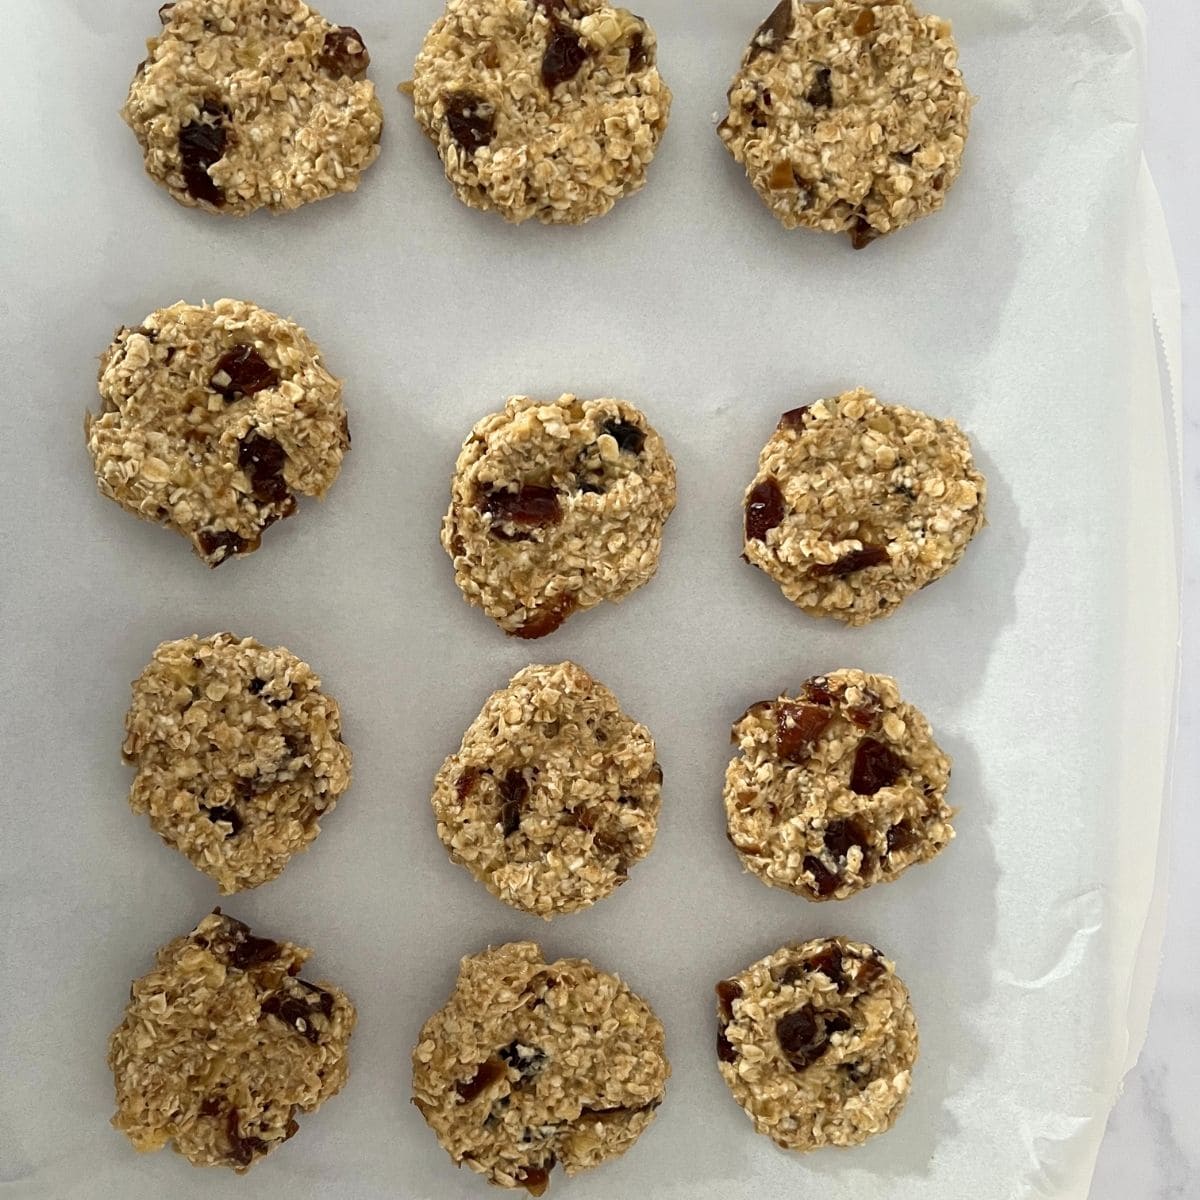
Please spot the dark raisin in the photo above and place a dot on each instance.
(202, 143)
(211, 1107)
(535, 1180)
(863, 233)
(465, 784)
(938, 182)
(820, 91)
(263, 460)
(591, 489)
(344, 53)
(797, 727)
(489, 1072)
(242, 371)
(841, 836)
(531, 507)
(565, 54)
(901, 837)
(639, 56)
(256, 685)
(547, 618)
(825, 881)
(866, 715)
(728, 990)
(801, 1037)
(875, 766)
(816, 691)
(223, 812)
(472, 120)
(764, 509)
(514, 791)
(324, 998)
(294, 1013)
(857, 1073)
(794, 418)
(242, 1149)
(252, 951)
(839, 1023)
(628, 436)
(829, 962)
(527, 1065)
(726, 1051)
(655, 775)
(868, 972)
(856, 560)
(772, 32)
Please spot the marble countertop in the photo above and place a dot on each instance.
(1150, 1150)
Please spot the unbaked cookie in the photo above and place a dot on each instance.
(849, 117)
(556, 507)
(246, 104)
(238, 755)
(553, 795)
(837, 788)
(541, 108)
(214, 418)
(817, 1043)
(222, 1045)
(857, 504)
(531, 1065)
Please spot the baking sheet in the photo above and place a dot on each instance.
(1045, 661)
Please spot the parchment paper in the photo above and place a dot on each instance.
(1045, 661)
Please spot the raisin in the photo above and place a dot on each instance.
(591, 489)
(526, 1065)
(857, 1073)
(532, 506)
(939, 182)
(628, 437)
(901, 837)
(841, 836)
(866, 715)
(565, 54)
(863, 233)
(728, 990)
(223, 812)
(726, 1051)
(782, 178)
(256, 685)
(797, 726)
(210, 1107)
(829, 962)
(344, 53)
(535, 1180)
(514, 791)
(242, 371)
(295, 1013)
(252, 951)
(489, 1072)
(825, 881)
(856, 560)
(864, 23)
(655, 776)
(547, 618)
(868, 972)
(820, 92)
(794, 418)
(875, 766)
(465, 784)
(242, 1149)
(772, 31)
(764, 509)
(202, 143)
(838, 1024)
(471, 119)
(816, 690)
(263, 460)
(801, 1037)
(324, 998)
(639, 55)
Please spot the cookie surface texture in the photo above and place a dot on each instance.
(532, 1065)
(213, 420)
(554, 794)
(541, 108)
(238, 755)
(817, 1043)
(857, 505)
(849, 117)
(555, 508)
(837, 788)
(248, 104)
(222, 1044)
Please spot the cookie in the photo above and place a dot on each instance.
(222, 1045)
(531, 1065)
(541, 108)
(553, 795)
(817, 1043)
(247, 104)
(214, 419)
(837, 788)
(556, 507)
(849, 117)
(238, 755)
(857, 504)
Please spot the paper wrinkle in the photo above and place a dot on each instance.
(1026, 945)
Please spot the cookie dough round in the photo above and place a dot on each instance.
(213, 419)
(532, 1064)
(238, 755)
(247, 104)
(541, 108)
(553, 795)
(837, 788)
(857, 504)
(222, 1044)
(556, 507)
(849, 117)
(817, 1043)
